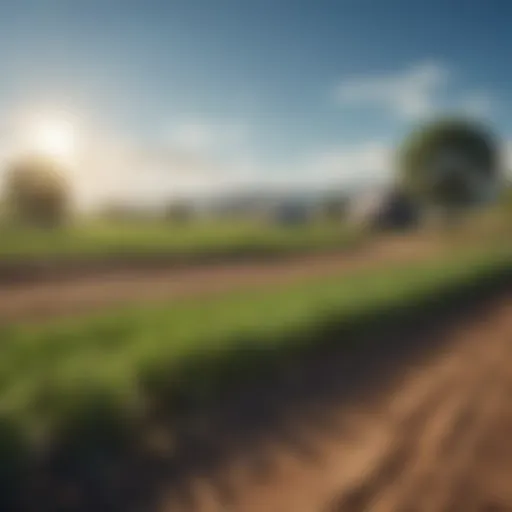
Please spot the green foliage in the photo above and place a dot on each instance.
(41, 367)
(87, 385)
(36, 192)
(173, 240)
(449, 163)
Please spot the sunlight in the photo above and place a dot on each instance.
(53, 137)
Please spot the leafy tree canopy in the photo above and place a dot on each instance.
(449, 162)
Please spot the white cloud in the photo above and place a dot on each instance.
(478, 104)
(196, 157)
(364, 163)
(110, 167)
(368, 163)
(117, 169)
(122, 170)
(199, 135)
(419, 91)
(410, 93)
(193, 136)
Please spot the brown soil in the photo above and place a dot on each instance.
(437, 437)
(29, 300)
(423, 423)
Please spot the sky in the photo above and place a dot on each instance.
(176, 95)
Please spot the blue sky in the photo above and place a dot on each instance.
(284, 86)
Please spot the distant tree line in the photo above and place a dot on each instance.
(448, 165)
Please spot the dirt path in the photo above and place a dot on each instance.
(94, 293)
(440, 439)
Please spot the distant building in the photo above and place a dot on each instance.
(390, 209)
(246, 206)
(293, 212)
(334, 206)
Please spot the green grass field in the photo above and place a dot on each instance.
(79, 377)
(103, 240)
(95, 240)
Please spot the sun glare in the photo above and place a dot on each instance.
(53, 137)
(47, 133)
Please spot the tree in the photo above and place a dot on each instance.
(449, 164)
(36, 192)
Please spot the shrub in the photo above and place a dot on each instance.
(36, 192)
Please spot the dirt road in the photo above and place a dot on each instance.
(74, 295)
(439, 438)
